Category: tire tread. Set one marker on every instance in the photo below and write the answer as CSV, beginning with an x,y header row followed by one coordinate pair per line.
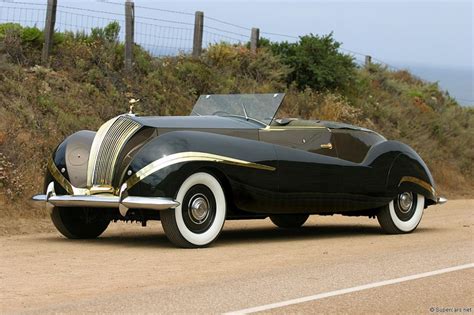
x,y
168,221
78,231
385,221
289,221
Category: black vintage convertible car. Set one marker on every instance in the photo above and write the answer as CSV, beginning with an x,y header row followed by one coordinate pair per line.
x,y
231,159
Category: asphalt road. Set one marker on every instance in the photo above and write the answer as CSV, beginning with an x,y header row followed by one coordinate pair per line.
x,y
133,269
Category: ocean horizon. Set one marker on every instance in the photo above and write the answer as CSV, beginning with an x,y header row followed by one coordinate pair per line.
x,y
457,81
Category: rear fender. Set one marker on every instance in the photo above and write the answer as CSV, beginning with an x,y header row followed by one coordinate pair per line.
x,y
403,168
409,172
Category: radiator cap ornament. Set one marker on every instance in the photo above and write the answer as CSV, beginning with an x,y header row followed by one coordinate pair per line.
x,y
132,103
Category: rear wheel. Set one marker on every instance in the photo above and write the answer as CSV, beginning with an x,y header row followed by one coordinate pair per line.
x,y
289,221
403,214
199,218
79,223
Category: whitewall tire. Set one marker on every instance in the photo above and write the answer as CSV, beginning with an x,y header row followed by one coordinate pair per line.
x,y
199,218
403,214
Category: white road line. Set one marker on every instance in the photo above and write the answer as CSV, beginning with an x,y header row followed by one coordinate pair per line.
x,y
348,290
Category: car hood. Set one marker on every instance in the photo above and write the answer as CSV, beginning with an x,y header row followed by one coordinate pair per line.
x,y
195,122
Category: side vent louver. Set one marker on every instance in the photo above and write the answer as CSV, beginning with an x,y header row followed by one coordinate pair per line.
x,y
108,143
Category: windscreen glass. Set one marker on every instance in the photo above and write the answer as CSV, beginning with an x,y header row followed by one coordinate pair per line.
x,y
260,107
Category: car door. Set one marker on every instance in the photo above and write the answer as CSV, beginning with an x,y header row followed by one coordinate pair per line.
x,y
309,171
314,140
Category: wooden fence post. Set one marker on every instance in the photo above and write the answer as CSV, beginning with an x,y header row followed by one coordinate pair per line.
x,y
129,33
198,31
49,31
254,38
368,61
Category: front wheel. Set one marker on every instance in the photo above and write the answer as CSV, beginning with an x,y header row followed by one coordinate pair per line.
x,y
199,218
403,214
79,223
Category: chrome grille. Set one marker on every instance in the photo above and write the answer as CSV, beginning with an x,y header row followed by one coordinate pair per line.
x,y
106,148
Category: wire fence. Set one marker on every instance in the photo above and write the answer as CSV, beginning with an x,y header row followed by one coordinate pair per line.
x,y
161,32
31,15
79,20
216,30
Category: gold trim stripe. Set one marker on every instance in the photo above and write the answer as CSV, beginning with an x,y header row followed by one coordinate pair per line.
x,y
419,182
190,157
53,169
70,189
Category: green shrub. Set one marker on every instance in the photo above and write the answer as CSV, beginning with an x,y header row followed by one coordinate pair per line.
x,y
142,59
97,33
59,38
109,33
32,35
8,27
316,62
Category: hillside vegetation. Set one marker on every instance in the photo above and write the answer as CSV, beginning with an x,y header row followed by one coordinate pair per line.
x,y
86,85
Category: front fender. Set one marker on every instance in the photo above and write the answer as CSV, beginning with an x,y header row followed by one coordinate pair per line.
x,y
160,167
68,166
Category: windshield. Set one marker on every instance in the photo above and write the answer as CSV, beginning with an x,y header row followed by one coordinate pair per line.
x,y
260,107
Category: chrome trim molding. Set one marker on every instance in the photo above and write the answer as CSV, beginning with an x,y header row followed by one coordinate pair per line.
x,y
153,203
39,198
150,169
326,146
442,200
84,201
105,201
99,137
190,157
53,169
70,189
102,189
286,128
419,182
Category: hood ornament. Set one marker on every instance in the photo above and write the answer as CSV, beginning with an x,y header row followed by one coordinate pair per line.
x,y
132,105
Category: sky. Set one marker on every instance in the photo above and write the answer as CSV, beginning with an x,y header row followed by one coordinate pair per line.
x,y
415,32
433,39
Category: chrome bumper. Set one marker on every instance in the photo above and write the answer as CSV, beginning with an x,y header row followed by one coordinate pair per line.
x,y
441,200
105,201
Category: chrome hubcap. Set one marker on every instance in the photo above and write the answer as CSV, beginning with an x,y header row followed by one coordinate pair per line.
x,y
198,208
405,201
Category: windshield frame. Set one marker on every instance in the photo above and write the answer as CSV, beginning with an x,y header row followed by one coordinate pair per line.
x,y
258,108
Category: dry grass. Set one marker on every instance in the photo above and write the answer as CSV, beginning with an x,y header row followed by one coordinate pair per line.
x,y
86,86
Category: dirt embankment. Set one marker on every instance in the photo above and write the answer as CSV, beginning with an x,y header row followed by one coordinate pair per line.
x,y
86,85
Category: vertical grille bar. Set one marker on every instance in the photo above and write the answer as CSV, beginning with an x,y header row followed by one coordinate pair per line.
x,y
106,148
